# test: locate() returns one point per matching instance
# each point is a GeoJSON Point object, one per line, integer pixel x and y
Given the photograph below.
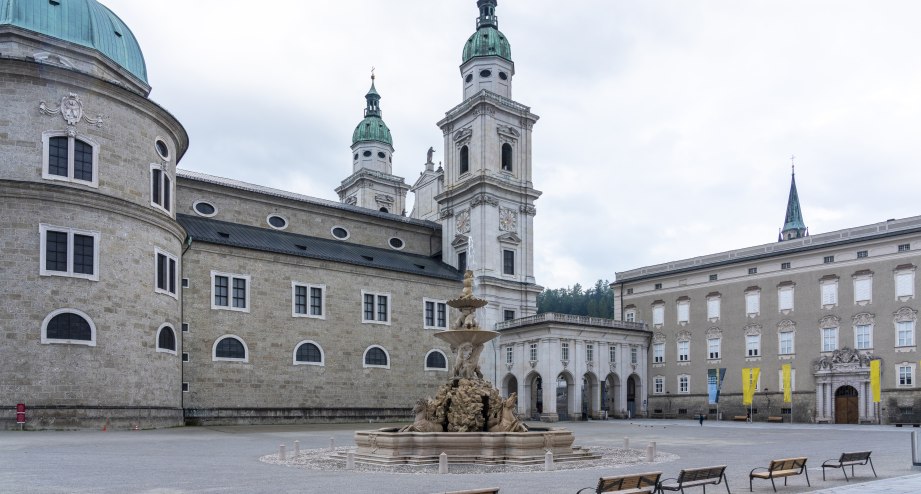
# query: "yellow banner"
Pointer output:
{"type": "Point", "coordinates": [787, 384]}
{"type": "Point", "coordinates": [749, 383]}
{"type": "Point", "coordinates": [874, 380]}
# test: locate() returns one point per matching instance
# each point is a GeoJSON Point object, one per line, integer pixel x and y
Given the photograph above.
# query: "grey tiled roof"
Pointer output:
{"type": "Point", "coordinates": [250, 237]}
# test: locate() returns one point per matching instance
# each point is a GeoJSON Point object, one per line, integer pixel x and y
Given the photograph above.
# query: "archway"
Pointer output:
{"type": "Point", "coordinates": [611, 395]}
{"type": "Point", "coordinates": [590, 395]}
{"type": "Point", "coordinates": [564, 391]}
{"type": "Point", "coordinates": [847, 405]}
{"type": "Point", "coordinates": [632, 385]}
{"type": "Point", "coordinates": [509, 386]}
{"type": "Point", "coordinates": [533, 396]}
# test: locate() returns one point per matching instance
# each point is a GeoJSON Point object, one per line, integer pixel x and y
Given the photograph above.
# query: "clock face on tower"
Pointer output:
{"type": "Point", "coordinates": [508, 220]}
{"type": "Point", "coordinates": [463, 222]}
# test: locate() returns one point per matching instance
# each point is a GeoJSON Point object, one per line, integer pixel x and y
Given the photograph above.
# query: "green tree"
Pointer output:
{"type": "Point", "coordinates": [597, 301]}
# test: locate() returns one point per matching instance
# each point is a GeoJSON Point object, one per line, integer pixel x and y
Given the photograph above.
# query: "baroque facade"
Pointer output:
{"type": "Point", "coordinates": [144, 294]}
{"type": "Point", "coordinates": [826, 304]}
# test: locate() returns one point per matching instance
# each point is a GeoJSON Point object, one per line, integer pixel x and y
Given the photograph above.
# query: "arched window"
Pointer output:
{"type": "Point", "coordinates": [230, 348]}
{"type": "Point", "coordinates": [464, 160]}
{"type": "Point", "coordinates": [70, 158]}
{"type": "Point", "coordinates": [506, 157]}
{"type": "Point", "coordinates": [376, 356]}
{"type": "Point", "coordinates": [308, 353]}
{"type": "Point", "coordinates": [436, 360]}
{"type": "Point", "coordinates": [69, 326]}
{"type": "Point", "coordinates": [166, 339]}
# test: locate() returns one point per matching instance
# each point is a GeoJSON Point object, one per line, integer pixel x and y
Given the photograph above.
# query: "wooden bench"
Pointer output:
{"type": "Point", "coordinates": [849, 459]}
{"type": "Point", "coordinates": [694, 477]}
{"type": "Point", "coordinates": [636, 483]}
{"type": "Point", "coordinates": [486, 490]}
{"type": "Point", "coordinates": [787, 467]}
{"type": "Point", "coordinates": [775, 419]}
{"type": "Point", "coordinates": [740, 418]}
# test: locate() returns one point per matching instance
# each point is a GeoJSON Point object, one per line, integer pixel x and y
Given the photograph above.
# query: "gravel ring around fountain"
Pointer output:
{"type": "Point", "coordinates": [319, 459]}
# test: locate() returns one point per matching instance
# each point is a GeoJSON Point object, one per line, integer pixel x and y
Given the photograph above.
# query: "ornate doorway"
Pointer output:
{"type": "Point", "coordinates": [847, 405]}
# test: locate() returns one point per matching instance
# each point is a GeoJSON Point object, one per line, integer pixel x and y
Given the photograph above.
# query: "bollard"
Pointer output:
{"type": "Point", "coordinates": [332, 444]}
{"type": "Point", "coordinates": [655, 448]}
{"type": "Point", "coordinates": [297, 449]}
{"type": "Point", "coordinates": [915, 450]}
{"type": "Point", "coordinates": [443, 463]}
{"type": "Point", "coordinates": [548, 461]}
{"type": "Point", "coordinates": [650, 453]}
{"type": "Point", "coordinates": [350, 460]}
{"type": "Point", "coordinates": [281, 452]}
{"type": "Point", "coordinates": [626, 442]}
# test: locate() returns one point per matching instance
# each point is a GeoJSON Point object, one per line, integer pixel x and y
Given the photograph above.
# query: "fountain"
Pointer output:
{"type": "Point", "coordinates": [467, 419]}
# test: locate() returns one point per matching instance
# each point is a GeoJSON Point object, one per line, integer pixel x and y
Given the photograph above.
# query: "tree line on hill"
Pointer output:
{"type": "Point", "coordinates": [597, 301]}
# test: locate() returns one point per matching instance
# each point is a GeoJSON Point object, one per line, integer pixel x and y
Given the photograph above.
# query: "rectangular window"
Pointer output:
{"type": "Point", "coordinates": [629, 291]}
{"type": "Point", "coordinates": [684, 351]}
{"type": "Point", "coordinates": [714, 277]}
{"type": "Point", "coordinates": [435, 314]}
{"type": "Point", "coordinates": [564, 351]}
{"type": "Point", "coordinates": [630, 316]}
{"type": "Point", "coordinates": [904, 247]}
{"type": "Point", "coordinates": [785, 343]}
{"type": "Point", "coordinates": [752, 270]}
{"type": "Point", "coordinates": [658, 353]}
{"type": "Point", "coordinates": [185, 283]}
{"type": "Point", "coordinates": [780, 386]}
{"type": "Point", "coordinates": [658, 286]}
{"type": "Point", "coordinates": [906, 375]}
{"type": "Point", "coordinates": [612, 354]}
{"type": "Point", "coordinates": [830, 293]}
{"type": "Point", "coordinates": [508, 262]}
{"type": "Point", "coordinates": [185, 327]}
{"type": "Point", "coordinates": [659, 385]}
{"type": "Point", "coordinates": [713, 308]}
{"type": "Point", "coordinates": [308, 300]}
{"type": "Point", "coordinates": [230, 291]}
{"type": "Point", "coordinates": [509, 355]}
{"type": "Point", "coordinates": [713, 348]}
{"type": "Point", "coordinates": [69, 159]}
{"type": "Point", "coordinates": [752, 302]}
{"type": "Point", "coordinates": [863, 337]}
{"type": "Point", "coordinates": [376, 308]}
{"type": "Point", "coordinates": [785, 265]}
{"type": "Point", "coordinates": [829, 339]}
{"type": "Point", "coordinates": [532, 352]}
{"type": "Point", "coordinates": [905, 284]}
{"type": "Point", "coordinates": [753, 345]}
{"type": "Point", "coordinates": [905, 333]}
{"type": "Point", "coordinates": [658, 314]}
{"type": "Point", "coordinates": [185, 387]}
{"type": "Point", "coordinates": [828, 259]}
{"type": "Point", "coordinates": [684, 384]}
{"type": "Point", "coordinates": [160, 188]}
{"type": "Point", "coordinates": [785, 298]}
{"type": "Point", "coordinates": [462, 262]}
{"type": "Point", "coordinates": [634, 355]}
{"type": "Point", "coordinates": [684, 311]}
{"type": "Point", "coordinates": [589, 353]}
{"type": "Point", "coordinates": [508, 315]}
{"type": "Point", "coordinates": [167, 273]}
{"type": "Point", "coordinates": [863, 289]}
{"type": "Point", "coordinates": [861, 254]}
{"type": "Point", "coordinates": [185, 357]}
{"type": "Point", "coordinates": [69, 252]}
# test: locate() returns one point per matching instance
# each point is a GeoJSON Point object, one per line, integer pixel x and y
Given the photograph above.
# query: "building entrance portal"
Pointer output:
{"type": "Point", "coordinates": [847, 405]}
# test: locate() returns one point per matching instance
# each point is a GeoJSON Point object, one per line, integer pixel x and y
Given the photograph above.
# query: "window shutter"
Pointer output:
{"type": "Point", "coordinates": [713, 308]}
{"type": "Point", "coordinates": [786, 299]}
{"type": "Point", "coordinates": [903, 284]}
{"type": "Point", "coordinates": [862, 290]}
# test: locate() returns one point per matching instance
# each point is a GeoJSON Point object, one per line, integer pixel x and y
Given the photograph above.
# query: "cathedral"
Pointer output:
{"type": "Point", "coordinates": [140, 293]}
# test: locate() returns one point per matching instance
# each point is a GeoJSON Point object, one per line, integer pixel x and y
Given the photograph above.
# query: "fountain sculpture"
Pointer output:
{"type": "Point", "coordinates": [467, 419]}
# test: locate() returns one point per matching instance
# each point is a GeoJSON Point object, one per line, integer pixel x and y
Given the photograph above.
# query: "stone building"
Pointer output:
{"type": "Point", "coordinates": [142, 294]}
{"type": "Point", "coordinates": [826, 304]}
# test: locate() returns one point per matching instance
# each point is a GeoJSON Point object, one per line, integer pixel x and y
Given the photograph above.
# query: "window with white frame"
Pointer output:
{"type": "Point", "coordinates": [612, 354]}
{"type": "Point", "coordinates": [780, 386]}
{"type": "Point", "coordinates": [436, 360]}
{"type": "Point", "coordinates": [829, 289]}
{"type": "Point", "coordinates": [684, 351]}
{"type": "Point", "coordinates": [308, 300]}
{"type": "Point", "coordinates": [684, 384]}
{"type": "Point", "coordinates": [230, 348]}
{"type": "Point", "coordinates": [630, 315]}
{"type": "Point", "coordinates": [230, 291]}
{"type": "Point", "coordinates": [785, 298]}
{"type": "Point", "coordinates": [905, 333]}
{"type": "Point", "coordinates": [658, 385]}
{"type": "Point", "coordinates": [684, 311]}
{"type": "Point", "coordinates": [308, 353]}
{"type": "Point", "coordinates": [532, 352]}
{"type": "Point", "coordinates": [713, 307]}
{"type": "Point", "coordinates": [863, 337]}
{"type": "Point", "coordinates": [753, 345]}
{"type": "Point", "coordinates": [752, 302]}
{"type": "Point", "coordinates": [905, 373]}
{"type": "Point", "coordinates": [658, 314]}
{"type": "Point", "coordinates": [714, 347]}
{"type": "Point", "coordinates": [589, 352]}
{"type": "Point", "coordinates": [829, 339]}
{"type": "Point", "coordinates": [68, 327]}
{"type": "Point", "coordinates": [658, 353]}
{"type": "Point", "coordinates": [785, 343]}
{"type": "Point", "coordinates": [863, 289]}
{"type": "Point", "coordinates": [70, 158]}
{"type": "Point", "coordinates": [69, 252]}
{"type": "Point", "coordinates": [509, 355]}
{"type": "Point", "coordinates": [508, 262]}
{"type": "Point", "coordinates": [166, 339]}
{"type": "Point", "coordinates": [376, 356]}
{"type": "Point", "coordinates": [564, 351]}
{"type": "Point", "coordinates": [161, 188]}
{"type": "Point", "coordinates": [436, 314]}
{"type": "Point", "coordinates": [634, 355]}
{"type": "Point", "coordinates": [167, 267]}
{"type": "Point", "coordinates": [905, 283]}
{"type": "Point", "coordinates": [375, 308]}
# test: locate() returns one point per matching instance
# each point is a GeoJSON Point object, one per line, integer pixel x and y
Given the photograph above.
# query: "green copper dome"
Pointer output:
{"type": "Point", "coordinates": [487, 41]}
{"type": "Point", "coordinates": [83, 22]}
{"type": "Point", "coordinates": [372, 128]}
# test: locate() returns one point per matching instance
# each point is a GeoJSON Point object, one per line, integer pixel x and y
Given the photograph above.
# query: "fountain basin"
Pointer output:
{"type": "Point", "coordinates": [456, 337]}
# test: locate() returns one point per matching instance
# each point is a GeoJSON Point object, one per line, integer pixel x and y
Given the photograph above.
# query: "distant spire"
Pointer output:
{"type": "Point", "coordinates": [794, 226]}
{"type": "Point", "coordinates": [487, 14]}
{"type": "Point", "coordinates": [374, 99]}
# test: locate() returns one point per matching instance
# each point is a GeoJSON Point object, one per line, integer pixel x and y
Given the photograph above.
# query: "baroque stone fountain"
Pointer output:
{"type": "Point", "coordinates": [467, 419]}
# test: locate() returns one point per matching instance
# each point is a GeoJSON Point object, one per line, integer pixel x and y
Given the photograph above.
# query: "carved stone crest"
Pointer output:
{"type": "Point", "coordinates": [528, 210]}
{"type": "Point", "coordinates": [786, 326]}
{"type": "Point", "coordinates": [481, 199]}
{"type": "Point", "coordinates": [508, 220]}
{"type": "Point", "coordinates": [864, 319]}
{"type": "Point", "coordinates": [463, 136]}
{"type": "Point", "coordinates": [684, 336]}
{"type": "Point", "coordinates": [714, 333]}
{"type": "Point", "coordinates": [446, 213]}
{"type": "Point", "coordinates": [752, 330]}
{"type": "Point", "coordinates": [71, 109]}
{"type": "Point", "coordinates": [463, 222]}
{"type": "Point", "coordinates": [353, 200]}
{"type": "Point", "coordinates": [829, 322]}
{"type": "Point", "coordinates": [658, 338]}
{"type": "Point", "coordinates": [843, 359]}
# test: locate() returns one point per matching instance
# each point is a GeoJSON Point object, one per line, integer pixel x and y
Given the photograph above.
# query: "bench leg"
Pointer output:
{"type": "Point", "coordinates": [807, 476]}
{"type": "Point", "coordinates": [750, 484]}
{"type": "Point", "coordinates": [871, 467]}
{"type": "Point", "coordinates": [823, 473]}
{"type": "Point", "coordinates": [844, 471]}
{"type": "Point", "coordinates": [727, 484]}
{"type": "Point", "coordinates": [774, 486]}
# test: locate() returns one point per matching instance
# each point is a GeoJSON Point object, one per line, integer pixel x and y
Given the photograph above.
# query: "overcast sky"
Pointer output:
{"type": "Point", "coordinates": [666, 126]}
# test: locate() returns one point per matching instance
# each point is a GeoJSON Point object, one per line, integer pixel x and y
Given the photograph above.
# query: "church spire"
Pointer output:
{"type": "Point", "coordinates": [487, 14]}
{"type": "Point", "coordinates": [794, 226]}
{"type": "Point", "coordinates": [374, 100]}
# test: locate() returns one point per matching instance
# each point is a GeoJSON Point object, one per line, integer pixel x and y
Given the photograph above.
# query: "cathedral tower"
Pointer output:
{"type": "Point", "coordinates": [486, 205]}
{"type": "Point", "coordinates": [372, 184]}
{"type": "Point", "coordinates": [794, 226]}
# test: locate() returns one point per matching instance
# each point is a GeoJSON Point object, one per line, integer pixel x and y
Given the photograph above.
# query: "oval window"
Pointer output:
{"type": "Point", "coordinates": [277, 222]}
{"type": "Point", "coordinates": [367, 154]}
{"type": "Point", "coordinates": [162, 148]}
{"type": "Point", "coordinates": [485, 73]}
{"type": "Point", "coordinates": [503, 76]}
{"type": "Point", "coordinates": [397, 243]}
{"type": "Point", "coordinates": [469, 78]}
{"type": "Point", "coordinates": [356, 156]}
{"type": "Point", "coordinates": [340, 233]}
{"type": "Point", "coordinates": [381, 155]}
{"type": "Point", "coordinates": [205, 208]}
